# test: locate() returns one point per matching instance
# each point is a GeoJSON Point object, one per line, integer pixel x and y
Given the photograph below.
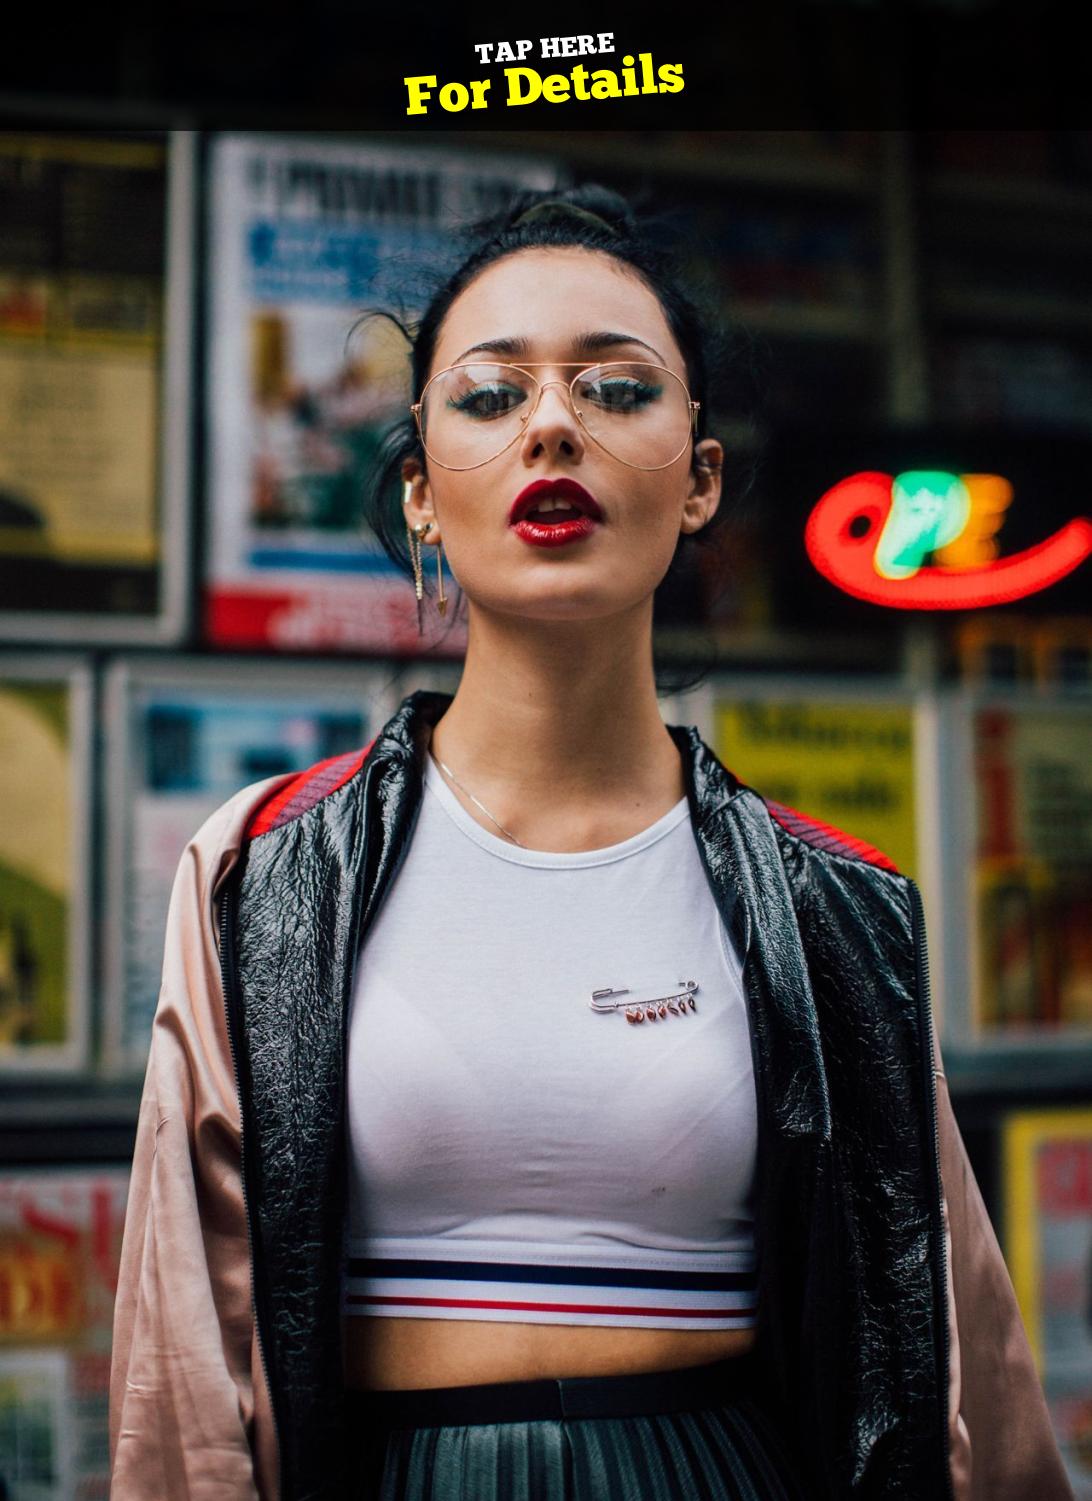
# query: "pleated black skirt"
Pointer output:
{"type": "Point", "coordinates": [716, 1441]}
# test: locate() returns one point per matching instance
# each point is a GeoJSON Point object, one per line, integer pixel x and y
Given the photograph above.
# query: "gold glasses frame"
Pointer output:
{"type": "Point", "coordinates": [582, 368]}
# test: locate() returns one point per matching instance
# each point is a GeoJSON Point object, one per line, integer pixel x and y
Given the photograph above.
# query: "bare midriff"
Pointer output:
{"type": "Point", "coordinates": [390, 1354]}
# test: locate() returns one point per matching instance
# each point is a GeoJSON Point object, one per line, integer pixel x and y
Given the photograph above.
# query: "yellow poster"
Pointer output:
{"type": "Point", "coordinates": [1047, 1157]}
{"type": "Point", "coordinates": [35, 865]}
{"type": "Point", "coordinates": [1033, 874]}
{"type": "Point", "coordinates": [81, 312]}
{"type": "Point", "coordinates": [77, 454]}
{"type": "Point", "coordinates": [845, 763]}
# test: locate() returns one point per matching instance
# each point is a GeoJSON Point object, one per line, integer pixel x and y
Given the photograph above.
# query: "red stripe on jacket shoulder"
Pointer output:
{"type": "Point", "coordinates": [825, 836]}
{"type": "Point", "coordinates": [305, 790]}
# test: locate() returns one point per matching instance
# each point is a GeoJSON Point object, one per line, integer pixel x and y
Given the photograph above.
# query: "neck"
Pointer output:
{"type": "Point", "coordinates": [556, 721]}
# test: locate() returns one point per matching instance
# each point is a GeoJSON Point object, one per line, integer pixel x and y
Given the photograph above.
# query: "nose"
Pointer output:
{"type": "Point", "coordinates": [553, 426]}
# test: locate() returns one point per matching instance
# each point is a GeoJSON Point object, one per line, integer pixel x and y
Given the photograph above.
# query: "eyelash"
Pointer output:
{"type": "Point", "coordinates": [639, 391]}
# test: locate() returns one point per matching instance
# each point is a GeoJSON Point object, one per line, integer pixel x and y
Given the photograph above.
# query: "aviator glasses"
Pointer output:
{"type": "Point", "coordinates": [639, 413]}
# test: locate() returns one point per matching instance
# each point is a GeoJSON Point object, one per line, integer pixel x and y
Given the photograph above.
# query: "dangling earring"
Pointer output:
{"type": "Point", "coordinates": [415, 535]}
{"type": "Point", "coordinates": [441, 597]}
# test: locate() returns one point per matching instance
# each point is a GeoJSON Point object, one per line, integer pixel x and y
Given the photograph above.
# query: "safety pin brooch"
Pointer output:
{"type": "Point", "coordinates": [674, 1004]}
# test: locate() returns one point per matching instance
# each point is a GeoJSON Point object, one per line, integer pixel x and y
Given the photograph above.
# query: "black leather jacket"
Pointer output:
{"type": "Point", "coordinates": [852, 1324]}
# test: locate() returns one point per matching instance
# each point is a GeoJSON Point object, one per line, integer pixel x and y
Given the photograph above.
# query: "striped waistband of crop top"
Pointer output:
{"type": "Point", "coordinates": [551, 1284]}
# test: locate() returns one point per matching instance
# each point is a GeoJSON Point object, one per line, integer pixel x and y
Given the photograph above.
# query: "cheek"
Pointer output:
{"type": "Point", "coordinates": [466, 505]}
{"type": "Point", "coordinates": [648, 535]}
{"type": "Point", "coordinates": [473, 524]}
{"type": "Point", "coordinates": [656, 510]}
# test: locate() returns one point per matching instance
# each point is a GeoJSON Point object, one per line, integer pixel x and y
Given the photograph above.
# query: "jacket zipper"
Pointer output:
{"type": "Point", "coordinates": [925, 1017]}
{"type": "Point", "coordinates": [227, 978]}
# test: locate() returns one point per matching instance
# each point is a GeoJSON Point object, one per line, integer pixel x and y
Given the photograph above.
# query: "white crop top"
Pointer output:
{"type": "Point", "coordinates": [515, 1154]}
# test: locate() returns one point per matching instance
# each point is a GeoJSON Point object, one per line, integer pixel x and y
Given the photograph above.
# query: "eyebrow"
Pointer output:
{"type": "Point", "coordinates": [586, 343]}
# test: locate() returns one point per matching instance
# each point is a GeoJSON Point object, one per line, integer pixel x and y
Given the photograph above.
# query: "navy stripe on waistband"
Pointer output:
{"type": "Point", "coordinates": [573, 1276]}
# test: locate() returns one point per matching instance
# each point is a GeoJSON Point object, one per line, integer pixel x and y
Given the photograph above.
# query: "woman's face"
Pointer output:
{"type": "Point", "coordinates": [551, 300]}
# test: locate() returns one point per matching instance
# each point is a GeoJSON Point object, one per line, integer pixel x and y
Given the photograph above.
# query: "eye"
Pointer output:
{"type": "Point", "coordinates": [487, 399]}
{"type": "Point", "coordinates": [618, 392]}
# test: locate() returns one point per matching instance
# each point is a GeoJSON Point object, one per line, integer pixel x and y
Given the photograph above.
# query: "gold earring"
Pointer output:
{"type": "Point", "coordinates": [415, 535]}
{"type": "Point", "coordinates": [441, 597]}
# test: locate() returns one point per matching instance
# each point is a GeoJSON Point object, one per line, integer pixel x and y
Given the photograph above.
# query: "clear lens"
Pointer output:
{"type": "Point", "coordinates": [639, 413]}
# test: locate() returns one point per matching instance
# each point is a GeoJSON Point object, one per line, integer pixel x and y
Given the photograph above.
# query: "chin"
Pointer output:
{"type": "Point", "coordinates": [561, 605]}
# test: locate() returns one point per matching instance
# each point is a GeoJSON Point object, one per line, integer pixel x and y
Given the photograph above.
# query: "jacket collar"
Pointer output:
{"type": "Point", "coordinates": [741, 853]}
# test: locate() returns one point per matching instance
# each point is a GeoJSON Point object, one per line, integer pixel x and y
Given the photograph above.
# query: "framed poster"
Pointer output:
{"type": "Point", "coordinates": [96, 312]}
{"type": "Point", "coordinates": [183, 735]}
{"type": "Point", "coordinates": [845, 755]}
{"type": "Point", "coordinates": [1020, 883]}
{"type": "Point", "coordinates": [60, 1245]}
{"type": "Point", "coordinates": [861, 756]}
{"type": "Point", "coordinates": [1048, 1248]}
{"type": "Point", "coordinates": [307, 234]}
{"type": "Point", "coordinates": [45, 772]}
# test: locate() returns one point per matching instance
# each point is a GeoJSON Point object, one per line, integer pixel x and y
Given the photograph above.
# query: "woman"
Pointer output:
{"type": "Point", "coordinates": [533, 1110]}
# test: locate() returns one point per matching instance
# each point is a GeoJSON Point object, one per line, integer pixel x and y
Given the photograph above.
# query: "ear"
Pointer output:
{"type": "Point", "coordinates": [703, 488]}
{"type": "Point", "coordinates": [417, 502]}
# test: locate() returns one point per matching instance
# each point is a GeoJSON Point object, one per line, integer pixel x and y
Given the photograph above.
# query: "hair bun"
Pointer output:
{"type": "Point", "coordinates": [590, 203]}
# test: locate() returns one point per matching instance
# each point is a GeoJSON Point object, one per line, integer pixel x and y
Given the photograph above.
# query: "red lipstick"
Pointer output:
{"type": "Point", "coordinates": [539, 531]}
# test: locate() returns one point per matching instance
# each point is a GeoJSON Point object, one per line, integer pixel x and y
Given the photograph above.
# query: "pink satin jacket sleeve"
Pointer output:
{"type": "Point", "coordinates": [1001, 1442]}
{"type": "Point", "coordinates": [190, 1417]}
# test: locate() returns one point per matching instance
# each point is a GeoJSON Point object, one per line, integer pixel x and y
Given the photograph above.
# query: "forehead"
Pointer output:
{"type": "Point", "coordinates": [549, 297]}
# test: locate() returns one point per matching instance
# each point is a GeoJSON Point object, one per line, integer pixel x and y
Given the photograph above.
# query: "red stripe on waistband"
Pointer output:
{"type": "Point", "coordinates": [663, 1313]}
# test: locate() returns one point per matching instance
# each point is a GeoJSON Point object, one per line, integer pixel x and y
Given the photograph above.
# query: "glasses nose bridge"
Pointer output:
{"type": "Point", "coordinates": [567, 387]}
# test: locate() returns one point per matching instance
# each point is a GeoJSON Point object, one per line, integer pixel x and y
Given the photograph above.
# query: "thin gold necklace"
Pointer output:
{"type": "Point", "coordinates": [478, 802]}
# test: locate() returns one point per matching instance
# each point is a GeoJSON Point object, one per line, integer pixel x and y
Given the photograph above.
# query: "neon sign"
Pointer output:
{"type": "Point", "coordinates": [871, 534]}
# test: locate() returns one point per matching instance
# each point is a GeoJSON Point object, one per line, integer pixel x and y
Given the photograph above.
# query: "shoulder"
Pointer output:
{"type": "Point", "coordinates": [814, 834]}
{"type": "Point", "coordinates": [214, 849]}
{"type": "Point", "coordinates": [841, 885]}
{"type": "Point", "coordinates": [714, 786]}
{"type": "Point", "coordinates": [288, 798]}
{"type": "Point", "coordinates": [860, 920]}
{"type": "Point", "coordinates": [828, 868]}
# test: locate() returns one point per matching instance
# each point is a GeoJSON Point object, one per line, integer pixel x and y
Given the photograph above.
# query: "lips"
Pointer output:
{"type": "Point", "coordinates": [555, 489]}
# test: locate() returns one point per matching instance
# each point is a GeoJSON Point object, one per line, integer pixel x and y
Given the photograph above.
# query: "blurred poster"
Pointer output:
{"type": "Point", "coordinates": [845, 762]}
{"type": "Point", "coordinates": [1048, 1247]}
{"type": "Point", "coordinates": [44, 771]}
{"type": "Point", "coordinates": [60, 1242]}
{"type": "Point", "coordinates": [307, 234]}
{"type": "Point", "coordinates": [1033, 868]}
{"type": "Point", "coordinates": [187, 738]}
{"type": "Point", "coordinates": [83, 301]}
{"type": "Point", "coordinates": [36, 1458]}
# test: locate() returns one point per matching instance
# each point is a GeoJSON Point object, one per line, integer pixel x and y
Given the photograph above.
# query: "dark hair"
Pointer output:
{"type": "Point", "coordinates": [595, 218]}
